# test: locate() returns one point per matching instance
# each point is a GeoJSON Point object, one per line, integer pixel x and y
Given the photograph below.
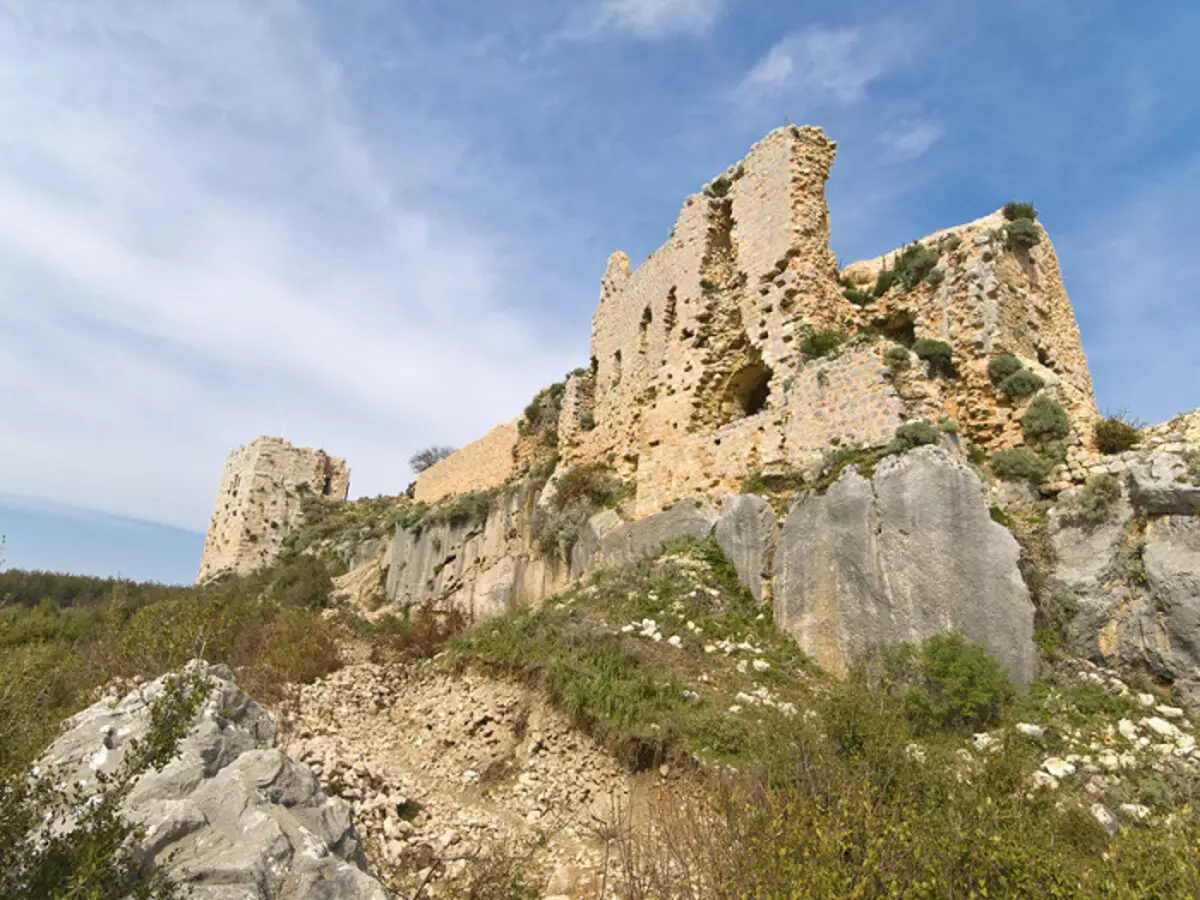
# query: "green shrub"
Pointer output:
{"type": "Point", "coordinates": [1014, 210]}
{"type": "Point", "coordinates": [587, 422]}
{"type": "Point", "coordinates": [1019, 464]}
{"type": "Point", "coordinates": [949, 243]}
{"type": "Point", "coordinates": [1115, 435]}
{"type": "Point", "coordinates": [949, 682]}
{"type": "Point", "coordinates": [1021, 234]}
{"type": "Point", "coordinates": [1022, 383]}
{"type": "Point", "coordinates": [1045, 419]}
{"type": "Point", "coordinates": [753, 483]}
{"type": "Point", "coordinates": [301, 580]}
{"type": "Point", "coordinates": [1096, 502]}
{"type": "Point", "coordinates": [1000, 517]}
{"type": "Point", "coordinates": [822, 343]}
{"type": "Point", "coordinates": [914, 264]}
{"type": "Point", "coordinates": [915, 434]}
{"type": "Point", "coordinates": [937, 353]}
{"type": "Point", "coordinates": [976, 455]}
{"type": "Point", "coordinates": [897, 357]}
{"type": "Point", "coordinates": [857, 296]}
{"type": "Point", "coordinates": [936, 276]}
{"type": "Point", "coordinates": [1002, 366]}
{"type": "Point", "coordinates": [947, 425]}
{"type": "Point", "coordinates": [885, 280]}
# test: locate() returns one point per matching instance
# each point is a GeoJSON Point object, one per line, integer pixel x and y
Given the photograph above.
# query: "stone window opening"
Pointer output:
{"type": "Point", "coordinates": [328, 485]}
{"type": "Point", "coordinates": [747, 391]}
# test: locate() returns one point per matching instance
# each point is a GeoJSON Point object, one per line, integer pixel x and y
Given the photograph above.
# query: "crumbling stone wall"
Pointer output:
{"type": "Point", "coordinates": [260, 500]}
{"type": "Point", "coordinates": [696, 374]}
{"type": "Point", "coordinates": [481, 464]}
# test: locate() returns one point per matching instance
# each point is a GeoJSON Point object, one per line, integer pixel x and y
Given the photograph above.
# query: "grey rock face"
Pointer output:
{"type": "Point", "coordinates": [606, 543]}
{"type": "Point", "coordinates": [1172, 562]}
{"type": "Point", "coordinates": [1161, 487]}
{"type": "Point", "coordinates": [229, 817]}
{"type": "Point", "coordinates": [483, 570]}
{"type": "Point", "coordinates": [906, 554]}
{"type": "Point", "coordinates": [746, 534]}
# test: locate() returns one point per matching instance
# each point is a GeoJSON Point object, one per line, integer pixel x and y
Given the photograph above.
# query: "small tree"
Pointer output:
{"type": "Point", "coordinates": [423, 459]}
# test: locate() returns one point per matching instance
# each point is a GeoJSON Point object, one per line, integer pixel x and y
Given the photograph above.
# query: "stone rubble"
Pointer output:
{"type": "Point", "coordinates": [440, 766]}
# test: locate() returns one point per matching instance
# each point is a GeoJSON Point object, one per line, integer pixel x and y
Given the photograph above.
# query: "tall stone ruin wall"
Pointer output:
{"type": "Point", "coordinates": [696, 375]}
{"type": "Point", "coordinates": [260, 500]}
{"type": "Point", "coordinates": [481, 464]}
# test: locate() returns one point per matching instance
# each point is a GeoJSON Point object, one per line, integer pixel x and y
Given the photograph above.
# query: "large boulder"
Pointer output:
{"type": "Point", "coordinates": [901, 556]}
{"type": "Point", "coordinates": [746, 534]}
{"type": "Point", "coordinates": [230, 817]}
{"type": "Point", "coordinates": [1162, 486]}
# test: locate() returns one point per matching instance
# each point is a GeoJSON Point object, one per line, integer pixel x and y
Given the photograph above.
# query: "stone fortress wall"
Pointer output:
{"type": "Point", "coordinates": [481, 464]}
{"type": "Point", "coordinates": [696, 375]}
{"type": "Point", "coordinates": [260, 500]}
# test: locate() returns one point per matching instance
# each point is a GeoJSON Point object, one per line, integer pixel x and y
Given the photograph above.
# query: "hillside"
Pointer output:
{"type": "Point", "coordinates": [817, 581]}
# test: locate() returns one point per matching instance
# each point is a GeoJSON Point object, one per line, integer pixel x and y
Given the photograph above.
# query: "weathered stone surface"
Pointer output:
{"type": "Point", "coordinates": [482, 569]}
{"type": "Point", "coordinates": [629, 541]}
{"type": "Point", "coordinates": [261, 499]}
{"type": "Point", "coordinates": [746, 534]}
{"type": "Point", "coordinates": [231, 817]}
{"type": "Point", "coordinates": [1172, 561]}
{"type": "Point", "coordinates": [1161, 486]}
{"type": "Point", "coordinates": [904, 555]}
{"type": "Point", "coordinates": [697, 376]}
{"type": "Point", "coordinates": [1083, 554]}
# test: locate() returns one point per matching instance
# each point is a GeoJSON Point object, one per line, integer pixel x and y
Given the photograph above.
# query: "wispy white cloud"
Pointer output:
{"type": "Point", "coordinates": [198, 244]}
{"type": "Point", "coordinates": [914, 140]}
{"type": "Point", "coordinates": [650, 19]}
{"type": "Point", "coordinates": [822, 65]}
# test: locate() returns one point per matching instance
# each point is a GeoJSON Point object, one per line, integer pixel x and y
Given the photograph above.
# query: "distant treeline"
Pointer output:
{"type": "Point", "coordinates": [22, 588]}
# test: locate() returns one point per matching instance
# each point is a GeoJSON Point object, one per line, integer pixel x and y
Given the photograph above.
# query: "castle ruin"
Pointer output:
{"type": "Point", "coordinates": [697, 375]}
{"type": "Point", "coordinates": [260, 500]}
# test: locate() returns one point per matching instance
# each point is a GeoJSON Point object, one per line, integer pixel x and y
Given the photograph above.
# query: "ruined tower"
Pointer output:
{"type": "Point", "coordinates": [260, 500]}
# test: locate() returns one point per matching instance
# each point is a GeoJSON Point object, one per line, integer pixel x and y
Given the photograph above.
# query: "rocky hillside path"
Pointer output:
{"type": "Point", "coordinates": [450, 773]}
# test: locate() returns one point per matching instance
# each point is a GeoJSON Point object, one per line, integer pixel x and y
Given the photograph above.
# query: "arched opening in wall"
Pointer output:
{"type": "Point", "coordinates": [616, 379]}
{"type": "Point", "coordinates": [644, 330]}
{"type": "Point", "coordinates": [747, 392]}
{"type": "Point", "coordinates": [328, 485]}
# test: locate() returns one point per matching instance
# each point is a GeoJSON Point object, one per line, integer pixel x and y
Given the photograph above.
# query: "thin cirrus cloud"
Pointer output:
{"type": "Point", "coordinates": [197, 238]}
{"type": "Point", "coordinates": [649, 19]}
{"type": "Point", "coordinates": [829, 65]}
{"type": "Point", "coordinates": [913, 141]}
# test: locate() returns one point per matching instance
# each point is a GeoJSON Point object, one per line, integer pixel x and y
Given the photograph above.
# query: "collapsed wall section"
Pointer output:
{"type": "Point", "coordinates": [261, 498]}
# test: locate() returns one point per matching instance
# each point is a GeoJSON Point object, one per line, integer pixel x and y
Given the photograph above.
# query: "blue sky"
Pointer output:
{"type": "Point", "coordinates": [376, 225]}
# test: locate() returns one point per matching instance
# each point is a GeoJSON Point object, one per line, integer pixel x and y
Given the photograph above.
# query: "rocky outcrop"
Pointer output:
{"type": "Point", "coordinates": [230, 817]}
{"type": "Point", "coordinates": [1135, 576]}
{"type": "Point", "coordinates": [746, 534]}
{"type": "Point", "coordinates": [1162, 486]}
{"type": "Point", "coordinates": [610, 542]}
{"type": "Point", "coordinates": [482, 567]}
{"type": "Point", "coordinates": [908, 553]}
